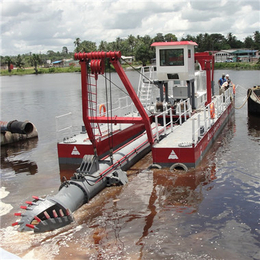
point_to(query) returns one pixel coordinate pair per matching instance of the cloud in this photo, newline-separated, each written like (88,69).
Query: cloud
(38,26)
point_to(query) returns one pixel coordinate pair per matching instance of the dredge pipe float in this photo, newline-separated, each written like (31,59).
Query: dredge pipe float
(90,178)
(17,127)
(14,131)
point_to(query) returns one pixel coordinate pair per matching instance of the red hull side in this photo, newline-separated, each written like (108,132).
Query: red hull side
(191,156)
(72,153)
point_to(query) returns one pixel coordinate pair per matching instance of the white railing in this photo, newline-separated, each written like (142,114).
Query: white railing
(183,108)
(201,124)
(145,90)
(64,126)
(165,125)
(122,107)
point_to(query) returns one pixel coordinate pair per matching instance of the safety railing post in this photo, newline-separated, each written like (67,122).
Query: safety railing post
(156,126)
(193,131)
(208,118)
(180,116)
(205,120)
(198,129)
(171,120)
(164,123)
(185,111)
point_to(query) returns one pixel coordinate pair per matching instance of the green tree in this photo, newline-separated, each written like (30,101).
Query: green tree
(170,37)
(86,46)
(159,38)
(103,46)
(233,42)
(131,41)
(65,50)
(8,61)
(188,38)
(35,61)
(257,40)
(19,62)
(77,42)
(217,41)
(249,42)
(144,54)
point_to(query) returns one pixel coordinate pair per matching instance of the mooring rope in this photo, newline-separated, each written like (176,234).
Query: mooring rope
(248,95)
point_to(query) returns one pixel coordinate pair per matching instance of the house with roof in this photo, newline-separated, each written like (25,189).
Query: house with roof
(246,55)
(224,55)
(232,55)
(127,59)
(57,63)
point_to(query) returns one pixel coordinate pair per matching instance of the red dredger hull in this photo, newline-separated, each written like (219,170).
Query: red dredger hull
(72,153)
(191,156)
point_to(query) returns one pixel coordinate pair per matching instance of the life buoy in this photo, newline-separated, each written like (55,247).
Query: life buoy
(102,110)
(234,89)
(179,166)
(212,110)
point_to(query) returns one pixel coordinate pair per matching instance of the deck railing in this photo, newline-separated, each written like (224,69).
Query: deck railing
(183,108)
(121,107)
(165,125)
(64,126)
(201,124)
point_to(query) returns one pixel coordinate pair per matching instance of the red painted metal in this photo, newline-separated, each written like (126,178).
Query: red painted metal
(117,120)
(191,155)
(85,105)
(102,146)
(174,43)
(206,61)
(97,61)
(97,55)
(134,97)
(37,219)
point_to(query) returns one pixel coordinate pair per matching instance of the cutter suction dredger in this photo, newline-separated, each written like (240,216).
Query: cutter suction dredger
(97,170)
(93,175)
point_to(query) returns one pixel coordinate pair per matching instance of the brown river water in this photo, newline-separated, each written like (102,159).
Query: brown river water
(211,212)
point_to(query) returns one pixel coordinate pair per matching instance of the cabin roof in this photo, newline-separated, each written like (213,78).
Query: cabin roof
(174,43)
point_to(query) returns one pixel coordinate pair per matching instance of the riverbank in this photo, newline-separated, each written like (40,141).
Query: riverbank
(27,71)
(222,65)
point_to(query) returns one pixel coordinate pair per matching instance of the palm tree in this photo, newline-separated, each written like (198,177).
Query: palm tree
(35,60)
(8,61)
(77,44)
(19,62)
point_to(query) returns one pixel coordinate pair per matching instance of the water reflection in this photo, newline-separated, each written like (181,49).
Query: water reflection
(141,208)
(10,152)
(253,123)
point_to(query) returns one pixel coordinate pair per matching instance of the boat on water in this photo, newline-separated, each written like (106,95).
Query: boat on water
(175,114)
(253,104)
(179,101)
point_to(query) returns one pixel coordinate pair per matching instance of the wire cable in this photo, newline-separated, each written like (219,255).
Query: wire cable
(151,81)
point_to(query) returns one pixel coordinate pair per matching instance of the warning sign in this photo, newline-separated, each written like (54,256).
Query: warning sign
(75,151)
(173,155)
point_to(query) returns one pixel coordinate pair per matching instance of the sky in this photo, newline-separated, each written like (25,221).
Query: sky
(40,25)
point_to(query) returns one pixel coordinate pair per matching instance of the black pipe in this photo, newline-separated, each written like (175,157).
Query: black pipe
(18,127)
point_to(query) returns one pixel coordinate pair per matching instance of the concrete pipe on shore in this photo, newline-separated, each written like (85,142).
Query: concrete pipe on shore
(14,131)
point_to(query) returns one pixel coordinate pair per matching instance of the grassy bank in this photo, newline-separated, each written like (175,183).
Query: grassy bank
(222,65)
(40,71)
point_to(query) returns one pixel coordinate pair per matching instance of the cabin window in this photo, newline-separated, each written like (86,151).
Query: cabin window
(172,57)
(189,53)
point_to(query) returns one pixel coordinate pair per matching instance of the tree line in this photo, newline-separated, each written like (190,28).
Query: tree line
(139,46)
